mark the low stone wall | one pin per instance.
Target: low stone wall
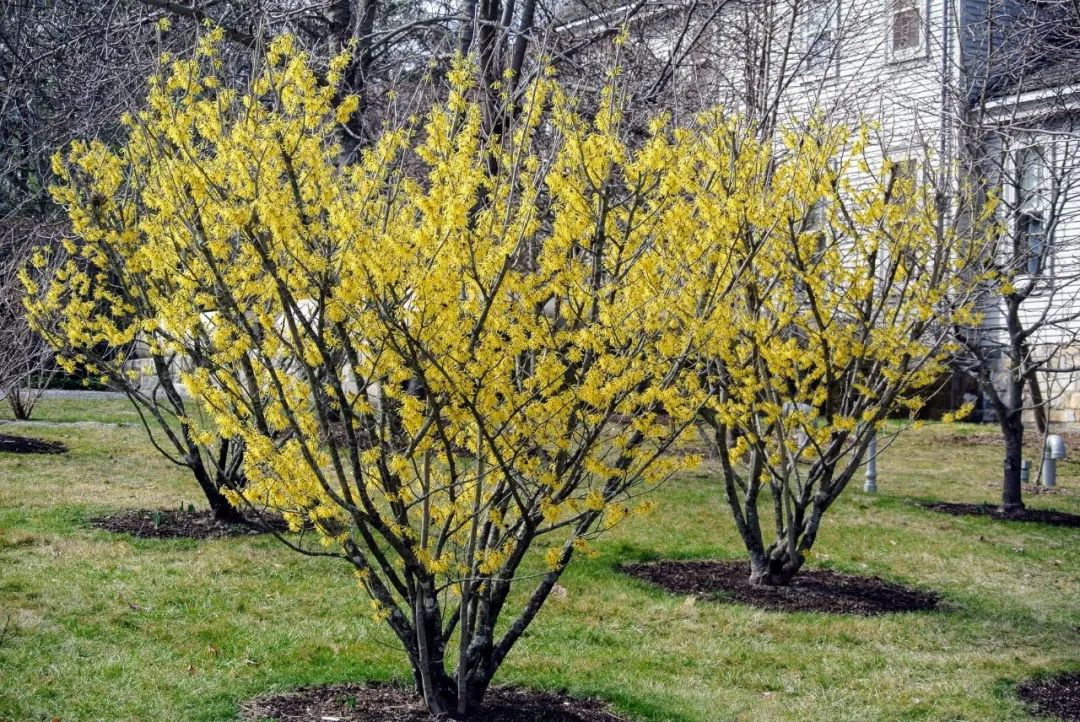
(146, 377)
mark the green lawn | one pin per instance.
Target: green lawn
(104, 627)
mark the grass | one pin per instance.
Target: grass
(104, 627)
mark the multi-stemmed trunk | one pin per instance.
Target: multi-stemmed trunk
(211, 483)
(775, 569)
(779, 563)
(425, 630)
(21, 405)
(216, 468)
(797, 507)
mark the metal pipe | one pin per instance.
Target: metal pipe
(870, 487)
(1052, 451)
(1049, 470)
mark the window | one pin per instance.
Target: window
(903, 179)
(1031, 234)
(815, 218)
(904, 189)
(1030, 231)
(907, 27)
(812, 245)
(817, 223)
(821, 36)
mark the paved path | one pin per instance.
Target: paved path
(81, 394)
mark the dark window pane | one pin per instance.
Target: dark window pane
(821, 35)
(906, 28)
(1031, 239)
(821, 51)
(904, 179)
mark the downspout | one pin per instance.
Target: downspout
(944, 158)
(946, 129)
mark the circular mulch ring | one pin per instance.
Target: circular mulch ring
(387, 703)
(812, 590)
(1040, 516)
(29, 445)
(1053, 696)
(178, 524)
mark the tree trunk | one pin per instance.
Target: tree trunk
(439, 689)
(221, 507)
(1012, 421)
(1038, 405)
(1012, 429)
(776, 568)
(223, 510)
(440, 699)
(18, 407)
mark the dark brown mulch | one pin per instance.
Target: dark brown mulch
(1040, 516)
(29, 445)
(387, 703)
(978, 439)
(1053, 697)
(178, 524)
(813, 590)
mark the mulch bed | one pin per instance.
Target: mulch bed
(973, 439)
(1053, 697)
(1040, 516)
(387, 703)
(178, 524)
(29, 445)
(813, 590)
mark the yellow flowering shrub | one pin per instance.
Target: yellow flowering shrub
(851, 286)
(92, 300)
(432, 357)
(462, 356)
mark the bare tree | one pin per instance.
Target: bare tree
(67, 69)
(1020, 128)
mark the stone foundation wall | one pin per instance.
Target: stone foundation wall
(1061, 390)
